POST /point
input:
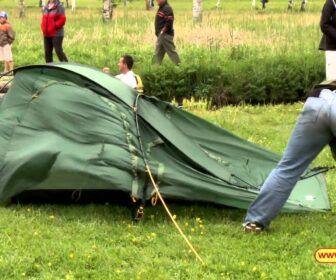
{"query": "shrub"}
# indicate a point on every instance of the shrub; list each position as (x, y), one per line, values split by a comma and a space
(253, 80)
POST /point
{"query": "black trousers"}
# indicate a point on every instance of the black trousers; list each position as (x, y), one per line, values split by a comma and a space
(51, 43)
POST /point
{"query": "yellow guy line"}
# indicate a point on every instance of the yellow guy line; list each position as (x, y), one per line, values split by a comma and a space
(171, 216)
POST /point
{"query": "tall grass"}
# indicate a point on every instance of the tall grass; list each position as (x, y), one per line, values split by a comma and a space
(235, 54)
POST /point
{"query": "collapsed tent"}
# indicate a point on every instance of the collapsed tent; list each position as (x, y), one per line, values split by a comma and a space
(72, 127)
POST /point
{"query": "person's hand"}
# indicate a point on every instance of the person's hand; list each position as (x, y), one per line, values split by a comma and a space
(164, 30)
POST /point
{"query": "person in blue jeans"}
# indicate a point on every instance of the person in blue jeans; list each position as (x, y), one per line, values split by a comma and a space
(315, 128)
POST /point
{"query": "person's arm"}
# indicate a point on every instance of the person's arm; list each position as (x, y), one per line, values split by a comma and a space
(328, 12)
(11, 35)
(169, 18)
(60, 17)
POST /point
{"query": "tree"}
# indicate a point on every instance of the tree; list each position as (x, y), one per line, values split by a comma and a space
(149, 4)
(303, 5)
(22, 8)
(197, 10)
(107, 10)
(73, 5)
(218, 4)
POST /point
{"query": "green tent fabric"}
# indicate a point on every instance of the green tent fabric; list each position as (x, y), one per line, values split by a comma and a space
(72, 127)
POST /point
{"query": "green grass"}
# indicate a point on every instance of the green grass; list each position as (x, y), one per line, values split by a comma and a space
(245, 54)
(101, 242)
(231, 33)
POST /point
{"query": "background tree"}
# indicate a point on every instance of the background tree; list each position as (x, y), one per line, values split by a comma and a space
(22, 8)
(197, 10)
(107, 10)
(73, 5)
(149, 4)
(218, 4)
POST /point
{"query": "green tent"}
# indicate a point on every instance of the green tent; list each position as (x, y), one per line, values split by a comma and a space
(72, 127)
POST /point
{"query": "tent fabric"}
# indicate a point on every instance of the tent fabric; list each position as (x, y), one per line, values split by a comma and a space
(72, 127)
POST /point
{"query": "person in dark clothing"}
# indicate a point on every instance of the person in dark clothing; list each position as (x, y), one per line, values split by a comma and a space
(328, 41)
(164, 31)
(52, 26)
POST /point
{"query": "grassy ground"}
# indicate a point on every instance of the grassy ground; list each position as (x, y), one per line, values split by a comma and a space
(100, 242)
(232, 32)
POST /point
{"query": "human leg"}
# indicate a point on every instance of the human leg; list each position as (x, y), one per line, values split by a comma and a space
(159, 51)
(169, 46)
(48, 49)
(58, 45)
(310, 135)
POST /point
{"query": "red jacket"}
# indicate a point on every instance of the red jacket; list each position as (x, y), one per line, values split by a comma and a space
(53, 20)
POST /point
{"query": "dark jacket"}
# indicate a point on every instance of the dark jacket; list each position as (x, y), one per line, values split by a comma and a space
(164, 18)
(328, 26)
(53, 20)
(7, 34)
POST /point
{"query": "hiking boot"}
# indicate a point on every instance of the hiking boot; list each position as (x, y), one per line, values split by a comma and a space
(253, 228)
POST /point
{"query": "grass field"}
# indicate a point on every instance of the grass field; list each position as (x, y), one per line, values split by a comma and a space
(233, 30)
(100, 241)
(245, 54)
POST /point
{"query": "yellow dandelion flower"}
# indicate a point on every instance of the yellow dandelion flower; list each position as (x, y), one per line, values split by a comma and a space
(94, 246)
(202, 233)
(263, 274)
(153, 234)
(23, 274)
(201, 226)
(242, 263)
(68, 277)
(49, 264)
(28, 209)
(254, 269)
(174, 217)
(192, 229)
(51, 217)
(71, 256)
(186, 224)
(35, 233)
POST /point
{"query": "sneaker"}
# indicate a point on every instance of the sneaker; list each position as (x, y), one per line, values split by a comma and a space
(253, 228)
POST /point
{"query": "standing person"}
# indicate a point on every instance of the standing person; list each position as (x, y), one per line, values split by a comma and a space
(52, 25)
(328, 41)
(315, 128)
(164, 31)
(7, 37)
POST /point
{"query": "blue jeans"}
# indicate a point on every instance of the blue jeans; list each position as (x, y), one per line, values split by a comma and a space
(315, 128)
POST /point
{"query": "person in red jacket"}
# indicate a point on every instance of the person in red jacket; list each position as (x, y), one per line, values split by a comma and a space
(52, 25)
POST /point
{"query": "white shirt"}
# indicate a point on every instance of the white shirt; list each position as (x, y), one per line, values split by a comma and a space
(128, 79)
